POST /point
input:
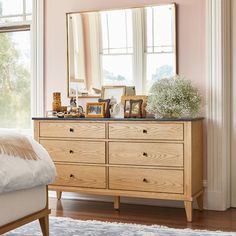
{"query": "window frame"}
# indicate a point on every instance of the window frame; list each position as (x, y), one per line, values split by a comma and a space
(139, 75)
(24, 15)
(36, 27)
(174, 46)
(126, 48)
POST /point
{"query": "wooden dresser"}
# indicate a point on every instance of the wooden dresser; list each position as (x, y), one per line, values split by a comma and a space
(159, 159)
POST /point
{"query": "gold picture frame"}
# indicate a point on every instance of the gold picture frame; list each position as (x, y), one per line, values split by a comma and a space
(124, 100)
(133, 108)
(95, 110)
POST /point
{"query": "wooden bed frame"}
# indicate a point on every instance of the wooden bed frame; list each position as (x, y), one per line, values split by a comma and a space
(42, 216)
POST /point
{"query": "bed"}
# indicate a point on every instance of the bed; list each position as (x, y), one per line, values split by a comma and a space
(27, 205)
(24, 177)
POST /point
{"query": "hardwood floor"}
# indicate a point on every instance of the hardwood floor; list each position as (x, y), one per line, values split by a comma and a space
(140, 214)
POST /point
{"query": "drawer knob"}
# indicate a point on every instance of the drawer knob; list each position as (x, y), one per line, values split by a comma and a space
(145, 154)
(72, 176)
(145, 180)
(71, 130)
(71, 151)
(144, 131)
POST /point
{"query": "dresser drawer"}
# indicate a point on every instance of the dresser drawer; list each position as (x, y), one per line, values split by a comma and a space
(162, 131)
(76, 151)
(72, 130)
(81, 176)
(154, 154)
(146, 180)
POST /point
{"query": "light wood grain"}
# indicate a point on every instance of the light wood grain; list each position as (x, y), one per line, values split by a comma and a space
(75, 151)
(81, 176)
(188, 159)
(116, 202)
(189, 210)
(193, 169)
(200, 202)
(44, 224)
(72, 130)
(153, 154)
(124, 193)
(59, 194)
(157, 131)
(197, 157)
(151, 159)
(151, 180)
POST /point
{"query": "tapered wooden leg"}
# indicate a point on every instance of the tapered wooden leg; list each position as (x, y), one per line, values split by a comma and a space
(59, 195)
(116, 202)
(200, 202)
(189, 210)
(44, 223)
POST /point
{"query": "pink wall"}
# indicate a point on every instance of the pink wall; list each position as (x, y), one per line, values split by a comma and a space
(191, 38)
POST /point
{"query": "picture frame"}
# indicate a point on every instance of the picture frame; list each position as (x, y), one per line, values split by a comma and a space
(126, 108)
(113, 92)
(133, 108)
(107, 106)
(95, 110)
(137, 97)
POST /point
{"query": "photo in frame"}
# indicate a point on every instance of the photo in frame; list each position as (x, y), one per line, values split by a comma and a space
(107, 106)
(95, 110)
(114, 93)
(133, 108)
(136, 108)
(128, 106)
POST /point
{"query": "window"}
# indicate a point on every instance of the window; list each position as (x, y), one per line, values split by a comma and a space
(15, 64)
(160, 44)
(138, 46)
(15, 11)
(117, 47)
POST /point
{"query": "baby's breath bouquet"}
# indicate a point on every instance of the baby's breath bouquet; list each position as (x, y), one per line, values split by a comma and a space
(174, 98)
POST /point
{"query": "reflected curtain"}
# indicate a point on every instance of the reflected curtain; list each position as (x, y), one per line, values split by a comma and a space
(139, 39)
(77, 72)
(95, 59)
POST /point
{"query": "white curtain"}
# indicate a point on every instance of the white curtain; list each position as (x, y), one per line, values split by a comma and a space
(138, 38)
(94, 35)
(76, 47)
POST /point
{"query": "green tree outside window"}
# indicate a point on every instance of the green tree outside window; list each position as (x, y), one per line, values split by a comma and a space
(15, 94)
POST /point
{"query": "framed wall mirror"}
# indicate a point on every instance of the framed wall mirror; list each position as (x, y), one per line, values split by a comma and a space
(131, 47)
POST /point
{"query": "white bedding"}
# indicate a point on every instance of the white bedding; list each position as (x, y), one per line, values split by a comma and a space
(18, 204)
(17, 173)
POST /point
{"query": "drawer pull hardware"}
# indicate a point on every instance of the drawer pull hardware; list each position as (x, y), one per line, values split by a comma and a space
(72, 176)
(145, 180)
(71, 130)
(71, 151)
(144, 131)
(145, 154)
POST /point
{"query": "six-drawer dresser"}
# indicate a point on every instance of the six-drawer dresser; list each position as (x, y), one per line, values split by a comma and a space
(147, 158)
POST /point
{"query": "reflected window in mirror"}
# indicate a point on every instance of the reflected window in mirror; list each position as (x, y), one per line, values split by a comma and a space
(160, 49)
(133, 47)
(117, 47)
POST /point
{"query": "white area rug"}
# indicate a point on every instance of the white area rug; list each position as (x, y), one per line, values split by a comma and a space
(68, 227)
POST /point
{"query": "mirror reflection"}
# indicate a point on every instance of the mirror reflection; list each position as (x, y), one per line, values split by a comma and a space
(132, 47)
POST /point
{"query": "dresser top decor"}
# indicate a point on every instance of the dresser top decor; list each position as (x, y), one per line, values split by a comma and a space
(122, 119)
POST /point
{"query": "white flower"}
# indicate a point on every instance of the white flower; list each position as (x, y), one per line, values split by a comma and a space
(174, 97)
